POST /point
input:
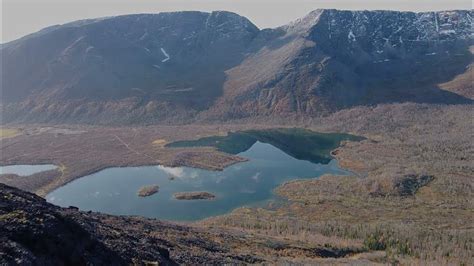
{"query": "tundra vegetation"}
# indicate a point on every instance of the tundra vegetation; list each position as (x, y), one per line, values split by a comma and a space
(410, 193)
(8, 132)
(193, 195)
(410, 176)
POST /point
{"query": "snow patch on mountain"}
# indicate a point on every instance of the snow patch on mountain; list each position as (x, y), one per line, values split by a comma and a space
(165, 54)
(351, 36)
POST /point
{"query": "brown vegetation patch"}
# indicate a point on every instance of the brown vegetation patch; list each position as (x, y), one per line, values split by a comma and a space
(9, 132)
(148, 190)
(193, 195)
(414, 176)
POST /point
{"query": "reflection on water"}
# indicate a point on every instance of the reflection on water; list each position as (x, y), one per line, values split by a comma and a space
(299, 143)
(26, 170)
(114, 190)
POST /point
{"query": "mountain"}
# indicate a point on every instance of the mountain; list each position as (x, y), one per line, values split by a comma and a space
(333, 59)
(144, 64)
(194, 65)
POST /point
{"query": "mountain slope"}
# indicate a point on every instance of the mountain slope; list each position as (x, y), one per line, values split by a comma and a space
(186, 65)
(333, 59)
(156, 64)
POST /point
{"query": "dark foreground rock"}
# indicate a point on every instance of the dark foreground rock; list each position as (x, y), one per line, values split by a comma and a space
(193, 195)
(34, 232)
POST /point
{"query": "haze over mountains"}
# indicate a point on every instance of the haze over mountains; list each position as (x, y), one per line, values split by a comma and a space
(216, 66)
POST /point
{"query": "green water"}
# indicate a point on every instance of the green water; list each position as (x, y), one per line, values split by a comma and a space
(299, 143)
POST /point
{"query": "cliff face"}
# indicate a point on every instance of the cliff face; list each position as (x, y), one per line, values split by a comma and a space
(333, 59)
(179, 66)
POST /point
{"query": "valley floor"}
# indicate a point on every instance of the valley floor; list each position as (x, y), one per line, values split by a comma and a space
(409, 198)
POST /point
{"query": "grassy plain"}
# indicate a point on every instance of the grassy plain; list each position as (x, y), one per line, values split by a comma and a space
(8, 132)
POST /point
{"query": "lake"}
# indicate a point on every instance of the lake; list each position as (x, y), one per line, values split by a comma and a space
(26, 170)
(249, 183)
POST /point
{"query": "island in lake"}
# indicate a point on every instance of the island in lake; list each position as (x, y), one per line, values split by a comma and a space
(146, 191)
(193, 195)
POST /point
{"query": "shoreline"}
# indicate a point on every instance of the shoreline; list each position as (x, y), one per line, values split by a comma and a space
(74, 166)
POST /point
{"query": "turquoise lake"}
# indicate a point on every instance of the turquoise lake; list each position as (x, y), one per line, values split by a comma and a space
(249, 183)
(26, 170)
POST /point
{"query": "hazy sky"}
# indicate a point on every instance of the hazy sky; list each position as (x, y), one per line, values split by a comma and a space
(21, 17)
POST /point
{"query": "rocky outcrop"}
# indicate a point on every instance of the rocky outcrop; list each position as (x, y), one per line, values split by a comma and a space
(148, 190)
(397, 185)
(409, 184)
(34, 232)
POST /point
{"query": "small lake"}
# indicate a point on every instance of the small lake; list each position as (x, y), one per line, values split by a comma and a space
(249, 183)
(26, 170)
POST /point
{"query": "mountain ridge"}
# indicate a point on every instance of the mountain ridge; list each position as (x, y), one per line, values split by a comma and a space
(192, 65)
